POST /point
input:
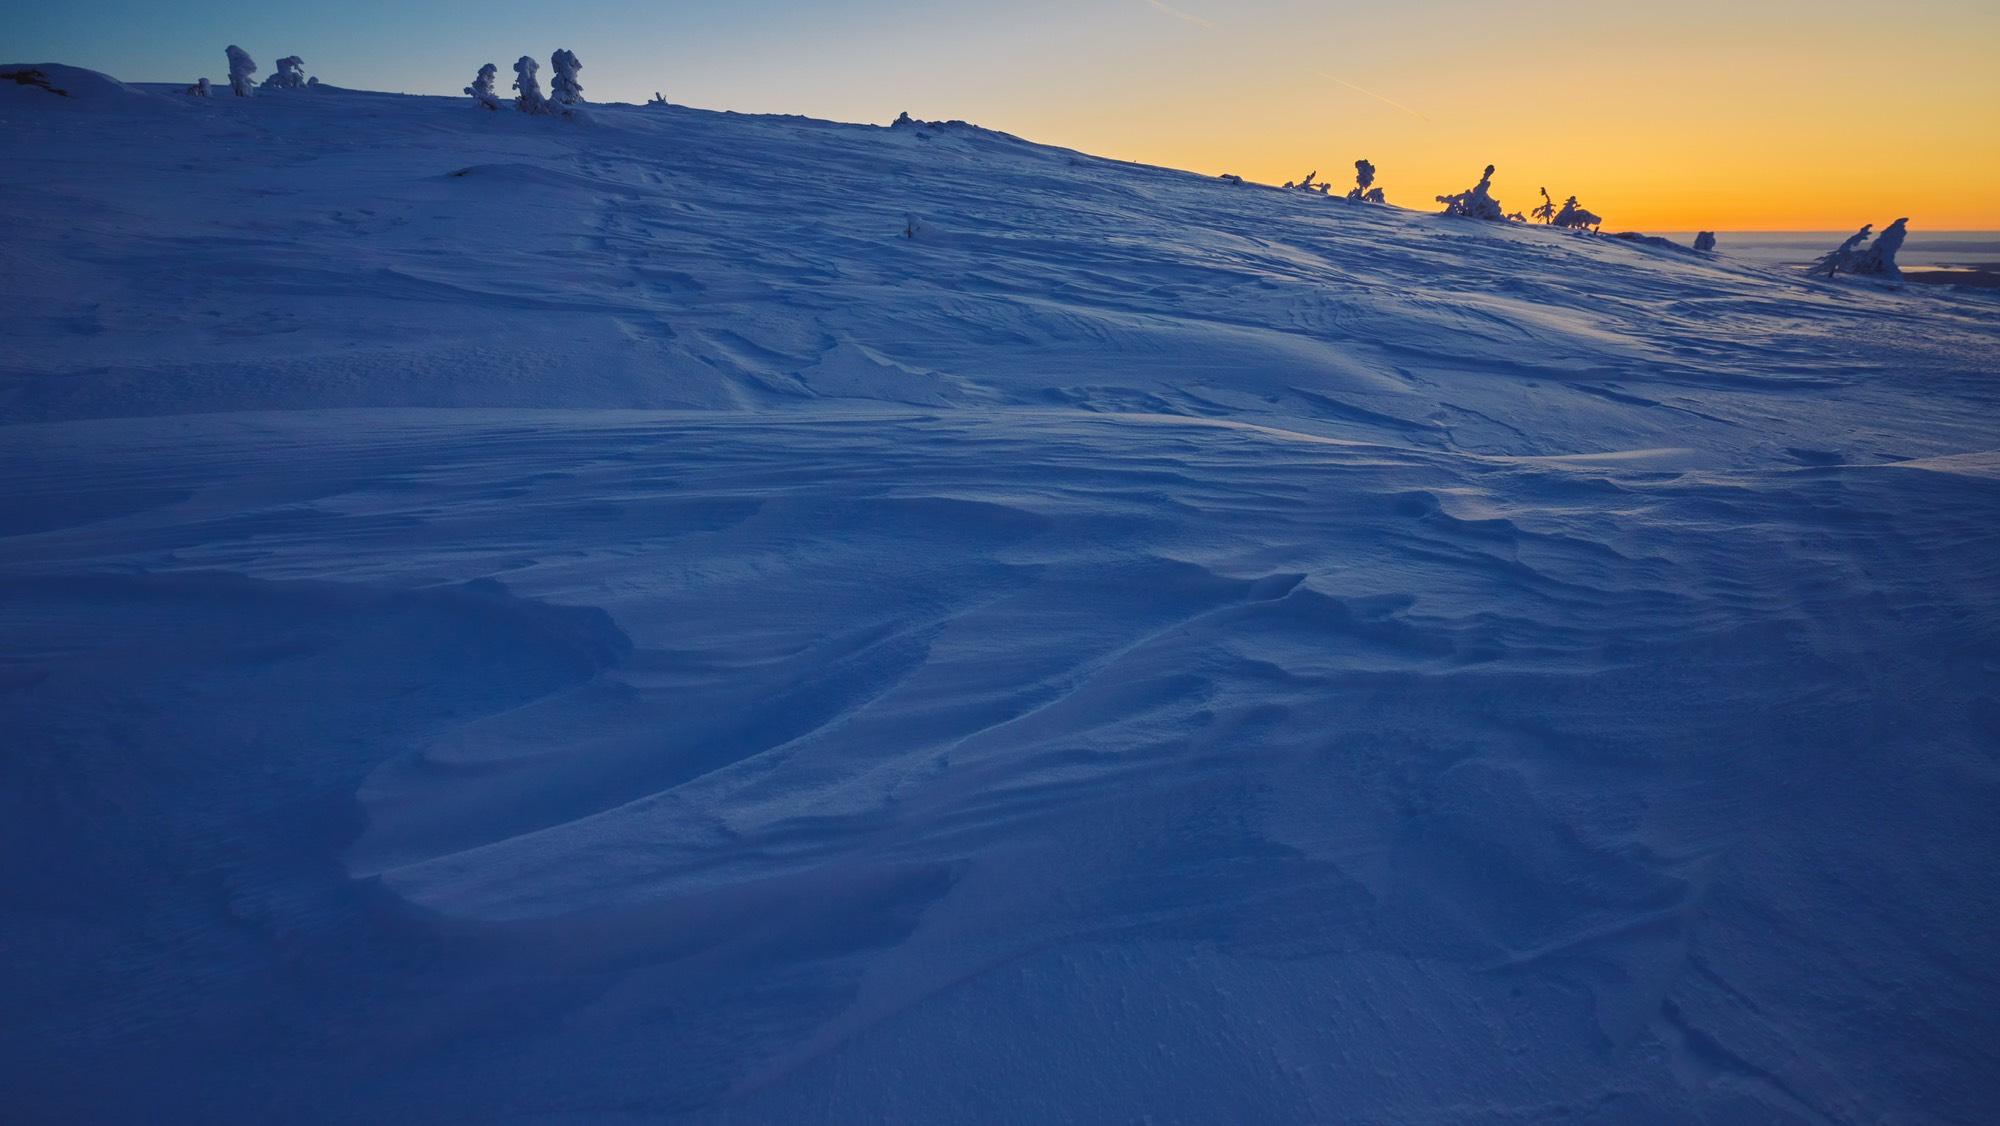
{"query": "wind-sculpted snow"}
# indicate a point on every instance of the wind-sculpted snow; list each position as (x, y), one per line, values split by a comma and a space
(512, 619)
(385, 251)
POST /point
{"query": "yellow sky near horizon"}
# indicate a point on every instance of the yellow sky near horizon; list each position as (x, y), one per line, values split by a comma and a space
(1683, 132)
(1755, 115)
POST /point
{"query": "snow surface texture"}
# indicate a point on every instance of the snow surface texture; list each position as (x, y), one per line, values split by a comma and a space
(504, 621)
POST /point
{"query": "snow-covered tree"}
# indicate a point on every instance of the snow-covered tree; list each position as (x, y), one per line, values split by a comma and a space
(1545, 210)
(659, 99)
(1476, 202)
(240, 69)
(1704, 240)
(1575, 217)
(564, 89)
(1880, 257)
(530, 100)
(1307, 185)
(1842, 257)
(482, 91)
(290, 75)
(1364, 189)
(200, 89)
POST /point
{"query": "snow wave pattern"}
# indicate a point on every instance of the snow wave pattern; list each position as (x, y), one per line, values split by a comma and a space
(1223, 735)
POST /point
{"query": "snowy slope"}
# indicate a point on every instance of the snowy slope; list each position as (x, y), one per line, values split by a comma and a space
(555, 621)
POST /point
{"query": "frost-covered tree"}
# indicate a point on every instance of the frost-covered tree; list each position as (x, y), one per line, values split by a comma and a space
(200, 89)
(1364, 189)
(1545, 210)
(1576, 217)
(1880, 257)
(660, 99)
(564, 89)
(481, 90)
(530, 100)
(1476, 202)
(240, 69)
(1306, 184)
(1704, 240)
(290, 75)
(1842, 257)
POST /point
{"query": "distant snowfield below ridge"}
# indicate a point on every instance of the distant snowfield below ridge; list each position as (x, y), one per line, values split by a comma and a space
(506, 618)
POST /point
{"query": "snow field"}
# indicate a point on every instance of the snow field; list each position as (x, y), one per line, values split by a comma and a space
(583, 622)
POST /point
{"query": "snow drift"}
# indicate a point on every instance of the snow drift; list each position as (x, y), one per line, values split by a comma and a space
(505, 618)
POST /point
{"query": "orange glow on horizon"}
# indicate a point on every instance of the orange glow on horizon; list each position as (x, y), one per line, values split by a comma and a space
(1718, 158)
(1737, 115)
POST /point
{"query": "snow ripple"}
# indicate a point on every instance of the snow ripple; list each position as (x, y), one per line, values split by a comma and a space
(925, 709)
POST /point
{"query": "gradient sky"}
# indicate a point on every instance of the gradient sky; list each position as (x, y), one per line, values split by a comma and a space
(1743, 115)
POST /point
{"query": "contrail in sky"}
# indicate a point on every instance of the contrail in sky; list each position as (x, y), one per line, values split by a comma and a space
(1372, 94)
(1180, 15)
